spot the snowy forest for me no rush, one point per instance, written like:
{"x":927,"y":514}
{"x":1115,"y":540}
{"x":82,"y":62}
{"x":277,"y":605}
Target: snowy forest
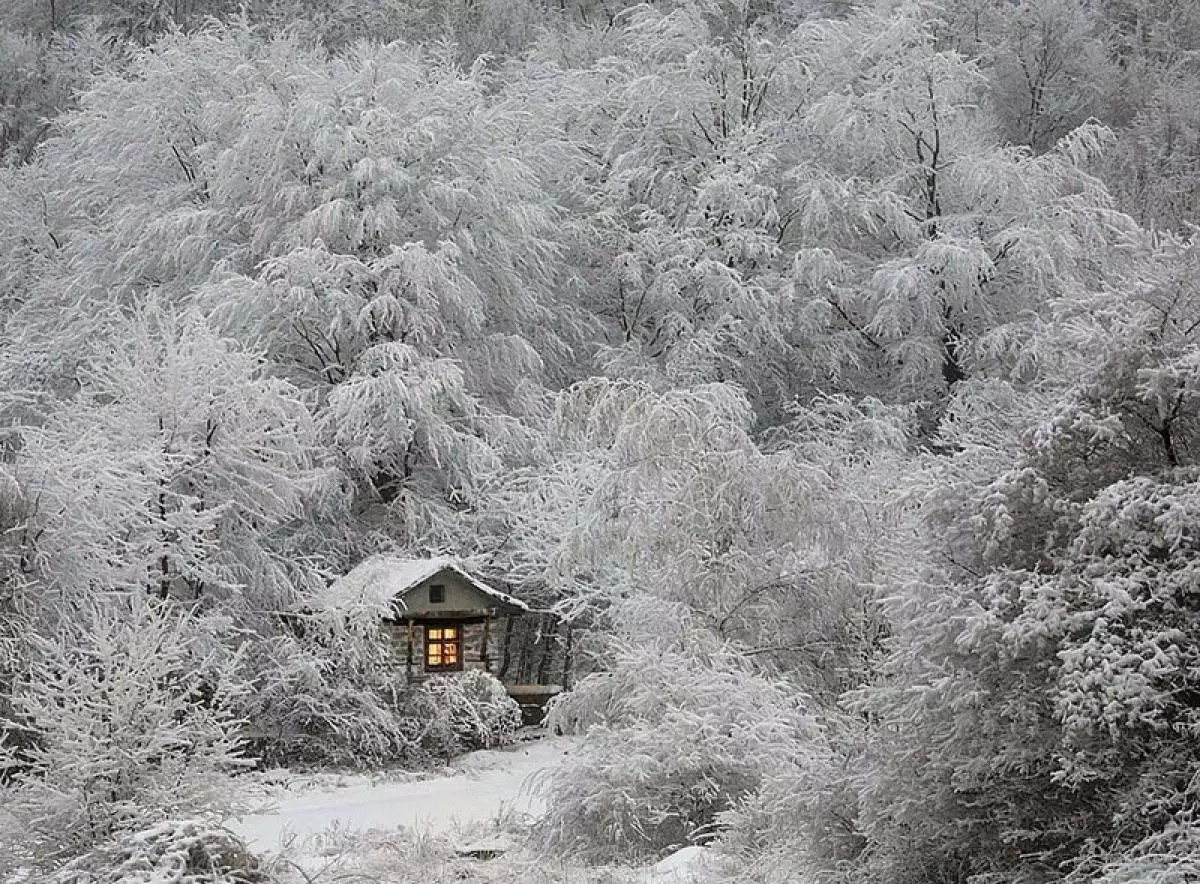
{"x":830,"y":368}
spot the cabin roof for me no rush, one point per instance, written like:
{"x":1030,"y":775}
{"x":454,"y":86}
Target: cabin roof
{"x":382,"y":579}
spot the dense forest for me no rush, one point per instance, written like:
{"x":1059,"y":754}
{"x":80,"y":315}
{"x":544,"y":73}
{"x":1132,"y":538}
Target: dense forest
{"x":831,"y":366}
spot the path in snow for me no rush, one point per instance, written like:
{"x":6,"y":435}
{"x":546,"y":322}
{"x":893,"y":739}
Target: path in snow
{"x":491,"y":783}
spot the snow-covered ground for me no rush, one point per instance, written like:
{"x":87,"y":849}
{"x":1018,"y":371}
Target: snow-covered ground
{"x":481,"y":787}
{"x":356,"y":825}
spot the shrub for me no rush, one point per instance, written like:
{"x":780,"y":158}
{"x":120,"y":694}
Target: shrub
{"x":331,"y":693}
{"x":172,"y":852}
{"x":452,"y":714}
{"x":126,"y":725}
{"x":670,"y":742}
{"x":327,"y":695}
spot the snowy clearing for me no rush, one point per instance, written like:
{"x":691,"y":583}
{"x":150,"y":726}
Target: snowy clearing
{"x":487,"y":785}
{"x":460,"y":820}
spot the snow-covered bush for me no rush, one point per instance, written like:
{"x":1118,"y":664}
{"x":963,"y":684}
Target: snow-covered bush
{"x":801,"y":817}
{"x":326,"y":693}
{"x":424,"y":856}
{"x":129,"y":724}
{"x":171,"y":852}
{"x":671,"y":740}
{"x":1171,"y":856}
{"x":331,"y":692}
{"x":453,"y":714}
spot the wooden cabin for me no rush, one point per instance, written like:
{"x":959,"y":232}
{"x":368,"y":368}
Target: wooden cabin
{"x":444,"y":619}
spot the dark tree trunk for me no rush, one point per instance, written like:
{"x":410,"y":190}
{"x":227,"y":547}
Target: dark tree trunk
{"x":506,"y":651}
{"x":952,"y":370}
{"x":568,"y":658}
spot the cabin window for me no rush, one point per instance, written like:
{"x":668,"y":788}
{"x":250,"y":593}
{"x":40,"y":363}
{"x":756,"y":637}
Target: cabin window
{"x":437,"y":593}
{"x":443,"y":647}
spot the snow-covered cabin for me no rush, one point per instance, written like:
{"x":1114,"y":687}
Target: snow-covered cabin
{"x":442,"y":618}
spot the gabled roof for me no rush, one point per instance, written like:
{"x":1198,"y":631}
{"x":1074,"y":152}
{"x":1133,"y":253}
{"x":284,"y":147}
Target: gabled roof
{"x":381,"y":579}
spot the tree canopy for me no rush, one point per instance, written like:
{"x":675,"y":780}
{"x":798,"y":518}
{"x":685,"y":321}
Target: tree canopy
{"x":831,"y":368}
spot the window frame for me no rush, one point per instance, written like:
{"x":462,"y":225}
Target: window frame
{"x":437,"y":593}
{"x":442,"y":642}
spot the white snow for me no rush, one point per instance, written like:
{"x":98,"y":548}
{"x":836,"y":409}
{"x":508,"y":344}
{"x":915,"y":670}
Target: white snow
{"x":380,"y":579}
{"x":680,"y":867}
{"x":317,"y":816}
{"x":484,"y":785}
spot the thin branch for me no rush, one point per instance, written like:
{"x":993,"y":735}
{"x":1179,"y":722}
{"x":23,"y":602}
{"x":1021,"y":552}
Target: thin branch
{"x":870,"y":339}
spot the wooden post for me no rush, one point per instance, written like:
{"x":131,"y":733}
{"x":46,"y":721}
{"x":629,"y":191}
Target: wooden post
{"x":483,"y":648}
{"x":504,"y":653}
{"x":549,"y":636}
{"x":408,"y":659}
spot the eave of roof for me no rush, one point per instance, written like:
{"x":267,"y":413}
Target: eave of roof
{"x":382,"y":580}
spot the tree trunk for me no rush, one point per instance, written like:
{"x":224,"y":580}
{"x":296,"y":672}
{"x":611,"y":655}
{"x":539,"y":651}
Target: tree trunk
{"x":505,"y":653}
{"x":952,"y":370}
{"x":568,"y":658}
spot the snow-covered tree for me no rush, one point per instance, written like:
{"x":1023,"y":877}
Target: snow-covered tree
{"x":415,"y":276}
{"x":803,"y":205}
{"x":1153,"y":167}
{"x":667,"y":496}
{"x":1036,"y":714}
{"x":131,"y":725}
{"x":681,"y":221}
{"x":930,"y":246}
{"x":168,"y":471}
{"x":1048,"y":64}
{"x":374,"y":225}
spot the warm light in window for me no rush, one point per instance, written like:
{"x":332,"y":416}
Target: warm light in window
{"x":442,"y":647}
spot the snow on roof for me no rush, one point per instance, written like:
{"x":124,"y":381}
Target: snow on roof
{"x":381,"y":579}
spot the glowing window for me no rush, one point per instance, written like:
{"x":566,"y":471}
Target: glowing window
{"x":443,"y":647}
